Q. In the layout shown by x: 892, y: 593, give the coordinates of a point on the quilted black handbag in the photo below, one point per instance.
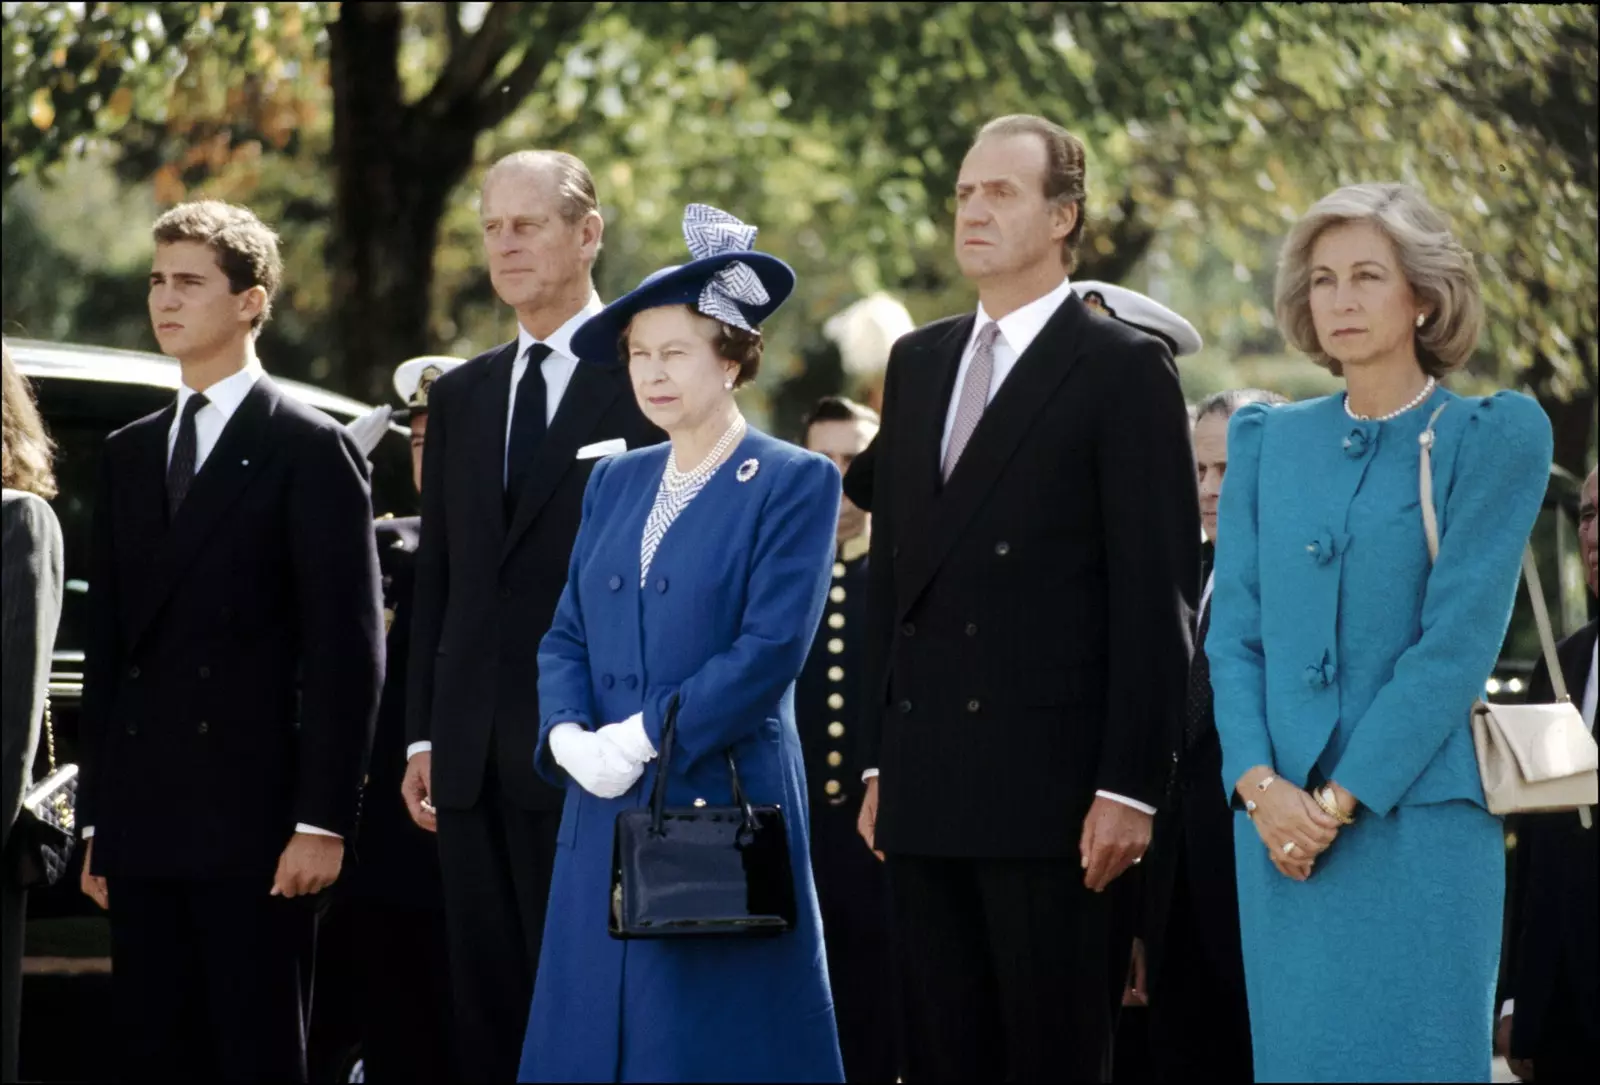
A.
x: 43, y: 838
x: 700, y: 871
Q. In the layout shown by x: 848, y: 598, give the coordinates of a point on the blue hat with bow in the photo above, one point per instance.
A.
x: 727, y: 280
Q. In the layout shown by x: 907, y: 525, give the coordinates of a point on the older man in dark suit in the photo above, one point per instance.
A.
x: 1032, y: 579
x: 512, y: 436
x: 234, y: 660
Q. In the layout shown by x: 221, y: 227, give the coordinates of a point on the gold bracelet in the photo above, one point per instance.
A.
x: 1324, y: 798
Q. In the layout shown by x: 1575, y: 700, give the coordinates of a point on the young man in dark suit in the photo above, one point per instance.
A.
x: 1032, y: 579
x: 512, y: 436
x: 1552, y: 976
x: 234, y: 661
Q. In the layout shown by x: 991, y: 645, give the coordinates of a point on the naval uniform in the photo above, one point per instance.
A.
x: 850, y: 880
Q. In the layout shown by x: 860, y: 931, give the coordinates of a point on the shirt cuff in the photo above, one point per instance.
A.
x: 1507, y: 1007
x: 88, y: 832
x: 633, y: 741
x: 1125, y: 801
x: 418, y: 747
x: 869, y: 774
x: 302, y: 827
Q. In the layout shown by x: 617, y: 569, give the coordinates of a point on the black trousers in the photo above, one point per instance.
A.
x: 210, y: 980
x: 13, y: 927
x: 1004, y: 969
x: 495, y: 860
x: 405, y: 992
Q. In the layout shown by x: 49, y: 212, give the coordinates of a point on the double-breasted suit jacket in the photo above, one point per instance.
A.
x: 722, y: 622
x: 1028, y: 622
x: 487, y: 588
x: 235, y: 655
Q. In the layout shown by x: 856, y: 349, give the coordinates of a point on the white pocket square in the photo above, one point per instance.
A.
x: 602, y: 448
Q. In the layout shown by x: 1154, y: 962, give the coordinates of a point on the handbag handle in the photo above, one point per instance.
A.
x: 658, y: 793
x: 1530, y: 567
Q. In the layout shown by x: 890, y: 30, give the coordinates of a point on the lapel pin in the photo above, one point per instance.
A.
x: 747, y: 470
x: 244, y: 463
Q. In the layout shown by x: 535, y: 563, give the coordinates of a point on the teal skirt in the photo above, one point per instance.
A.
x: 1382, y: 965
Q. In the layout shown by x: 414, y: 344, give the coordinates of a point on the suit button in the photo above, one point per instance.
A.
x: 505, y: 593
x: 973, y: 705
x: 661, y: 586
x: 1002, y: 548
x: 608, y: 681
x: 894, y: 551
x: 133, y: 672
x: 972, y: 629
x: 204, y: 727
x: 909, y: 629
x: 205, y: 672
x: 615, y: 583
x: 132, y: 728
x: 631, y: 681
x: 905, y: 708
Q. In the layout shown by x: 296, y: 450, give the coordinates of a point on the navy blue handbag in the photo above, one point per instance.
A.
x: 700, y: 871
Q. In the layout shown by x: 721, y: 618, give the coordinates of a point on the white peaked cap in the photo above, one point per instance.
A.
x: 1145, y: 313
x: 408, y: 376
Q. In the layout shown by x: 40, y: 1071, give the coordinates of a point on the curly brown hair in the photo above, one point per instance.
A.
x: 26, y: 450
x: 246, y: 247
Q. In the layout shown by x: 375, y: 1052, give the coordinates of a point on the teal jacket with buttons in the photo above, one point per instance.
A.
x: 1336, y: 651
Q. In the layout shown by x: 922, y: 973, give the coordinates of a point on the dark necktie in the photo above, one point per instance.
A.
x: 1197, y: 704
x: 527, y: 424
x: 180, y: 471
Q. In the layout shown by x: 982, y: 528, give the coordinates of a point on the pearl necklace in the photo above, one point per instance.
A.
x: 675, y: 479
x: 1427, y: 390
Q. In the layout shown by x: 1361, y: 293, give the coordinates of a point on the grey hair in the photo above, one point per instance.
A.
x: 1439, y: 269
x: 1225, y: 403
x: 574, y: 183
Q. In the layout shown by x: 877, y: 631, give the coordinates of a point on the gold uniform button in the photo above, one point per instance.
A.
x: 836, y: 674
x: 836, y: 620
x: 836, y: 646
x: 831, y: 787
x: 835, y: 758
x: 837, y: 594
x: 835, y: 700
x: 838, y: 569
x: 835, y: 729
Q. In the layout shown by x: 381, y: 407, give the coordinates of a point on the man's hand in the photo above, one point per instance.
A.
x: 1522, y: 1069
x: 867, y: 820
x: 308, y: 865
x: 1115, y: 836
x: 93, y: 887
x: 1135, y: 992
x: 416, y: 788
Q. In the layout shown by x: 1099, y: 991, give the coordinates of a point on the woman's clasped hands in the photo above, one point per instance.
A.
x: 1291, y: 824
x: 605, y: 763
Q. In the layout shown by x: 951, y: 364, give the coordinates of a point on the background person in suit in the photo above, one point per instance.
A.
x: 1032, y: 578
x: 827, y: 698
x: 1554, y: 969
x: 30, y: 608
x: 394, y: 904
x: 511, y: 438
x: 1199, y: 1019
x: 232, y: 674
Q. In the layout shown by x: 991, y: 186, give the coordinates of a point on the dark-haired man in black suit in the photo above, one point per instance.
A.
x: 234, y: 660
x: 512, y: 437
x: 1033, y: 574
x: 1553, y: 963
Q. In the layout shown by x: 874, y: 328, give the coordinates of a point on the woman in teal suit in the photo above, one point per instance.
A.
x: 699, y: 573
x: 1370, y: 875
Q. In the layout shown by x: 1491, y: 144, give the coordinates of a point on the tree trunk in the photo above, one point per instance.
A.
x: 393, y: 172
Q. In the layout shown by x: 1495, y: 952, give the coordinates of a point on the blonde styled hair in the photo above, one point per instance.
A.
x: 1440, y: 271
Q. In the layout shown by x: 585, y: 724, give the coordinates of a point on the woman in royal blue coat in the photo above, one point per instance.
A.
x: 699, y: 572
x: 1371, y: 876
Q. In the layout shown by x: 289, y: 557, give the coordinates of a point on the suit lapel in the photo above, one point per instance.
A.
x: 1030, y: 385
x: 589, y: 394
x: 484, y: 414
x: 241, y: 451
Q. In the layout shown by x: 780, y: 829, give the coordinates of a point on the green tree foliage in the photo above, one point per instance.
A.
x: 363, y: 130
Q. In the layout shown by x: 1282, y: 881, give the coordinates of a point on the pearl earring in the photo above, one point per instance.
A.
x: 727, y: 385
x: 1421, y: 319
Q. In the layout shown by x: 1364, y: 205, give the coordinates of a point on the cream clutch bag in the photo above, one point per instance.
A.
x: 1532, y: 758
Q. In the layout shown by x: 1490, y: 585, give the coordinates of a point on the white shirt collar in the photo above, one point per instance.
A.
x: 560, y: 340
x: 1020, y: 327
x: 227, y: 393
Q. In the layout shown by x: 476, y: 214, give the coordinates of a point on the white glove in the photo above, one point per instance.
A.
x: 368, y: 430
x: 629, y: 738
x: 598, y: 766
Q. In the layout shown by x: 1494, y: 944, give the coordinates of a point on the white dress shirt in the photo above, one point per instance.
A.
x: 558, y: 369
x: 222, y: 400
x: 1018, y: 330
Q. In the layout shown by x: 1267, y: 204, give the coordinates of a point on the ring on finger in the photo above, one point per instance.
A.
x: 1289, y: 847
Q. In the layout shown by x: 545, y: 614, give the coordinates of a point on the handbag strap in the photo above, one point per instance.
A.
x: 49, y: 733
x: 658, y: 793
x: 1530, y: 567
